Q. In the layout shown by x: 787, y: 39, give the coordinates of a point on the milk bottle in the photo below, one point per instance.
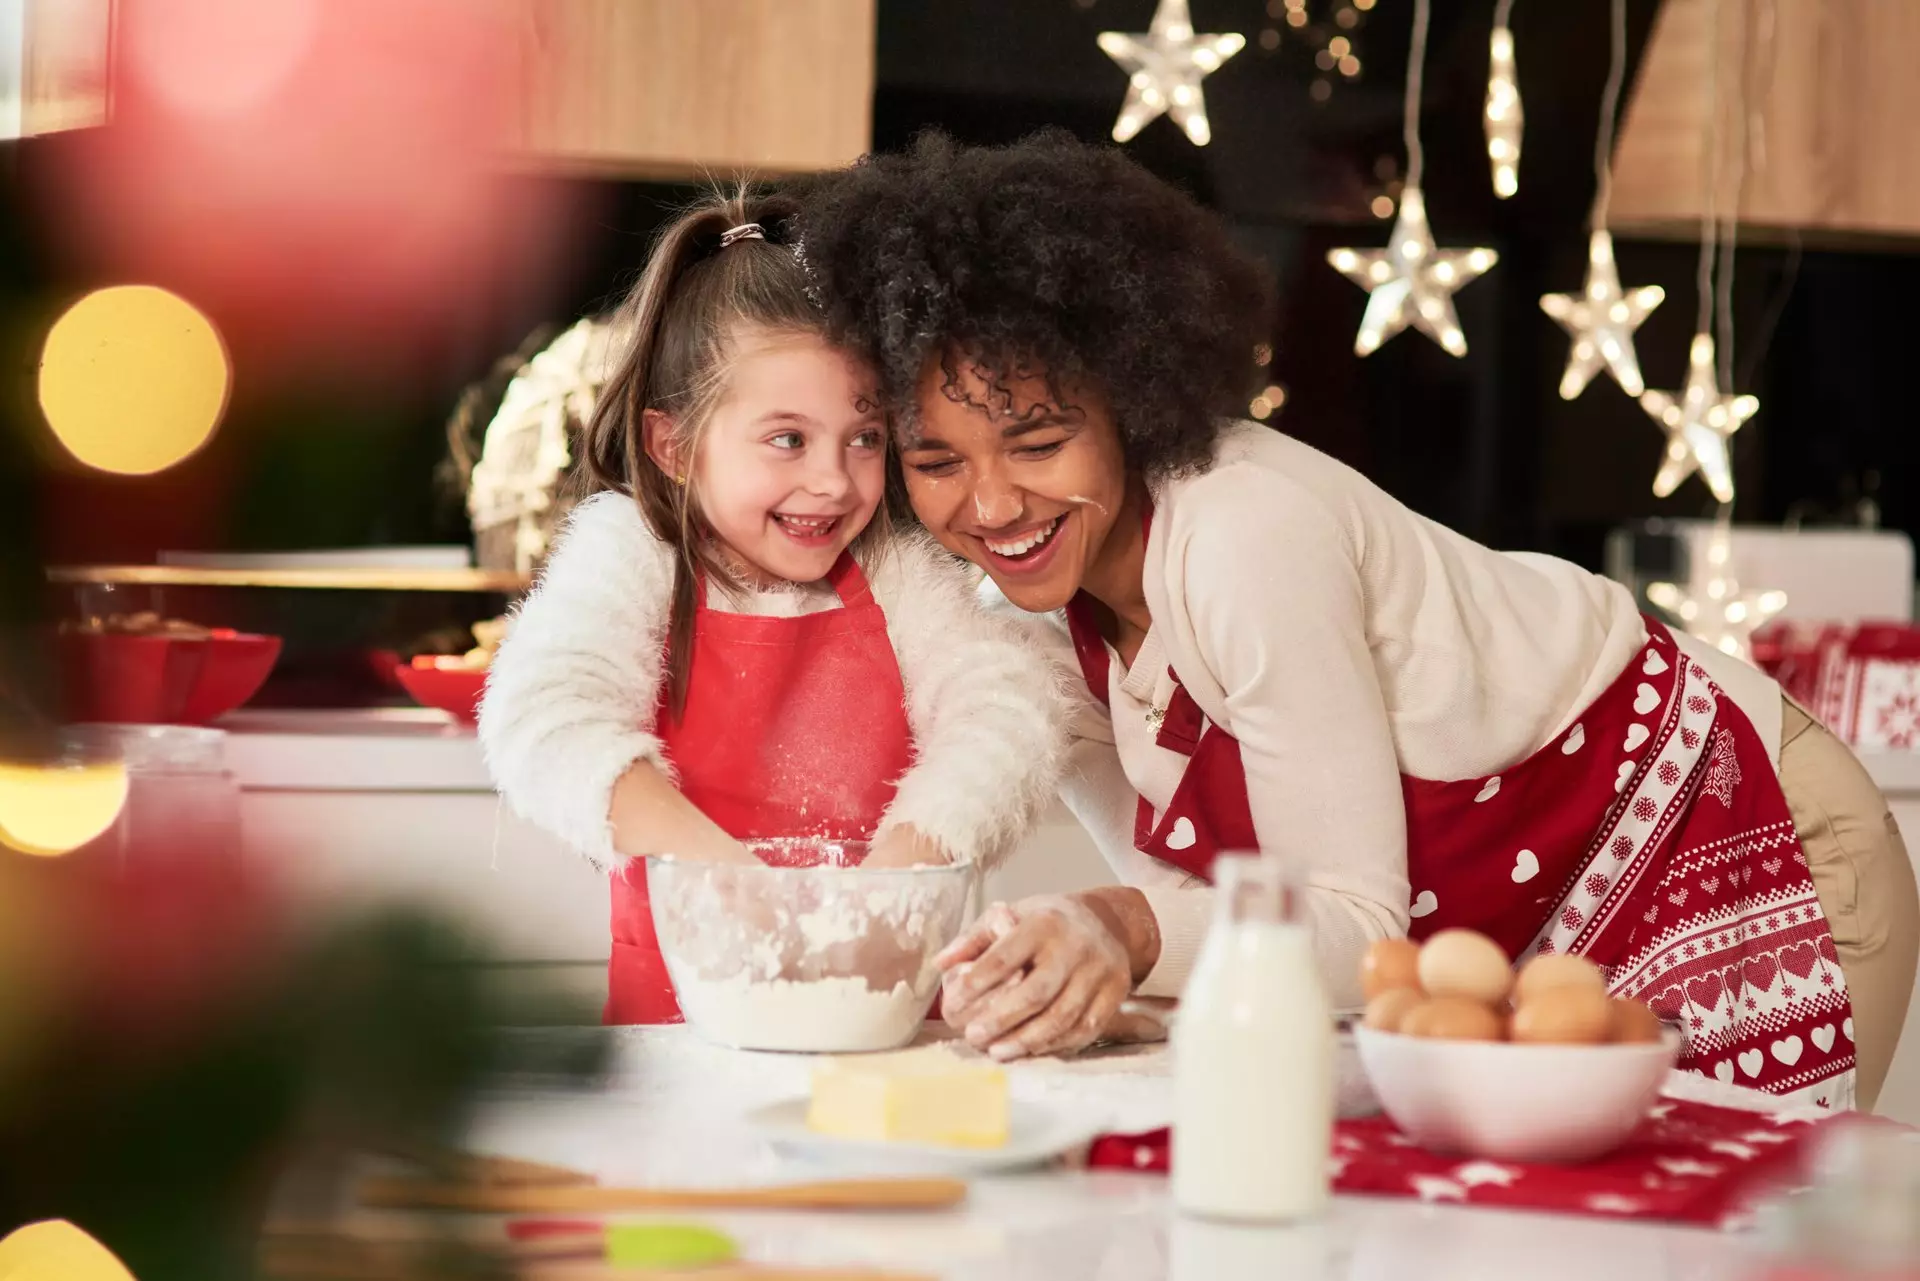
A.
x: 1253, y: 1049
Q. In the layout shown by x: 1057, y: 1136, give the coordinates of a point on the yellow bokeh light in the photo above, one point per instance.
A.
x: 133, y: 379
x: 51, y: 810
x: 55, y: 1250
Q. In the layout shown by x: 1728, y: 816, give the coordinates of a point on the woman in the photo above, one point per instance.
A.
x: 1276, y: 654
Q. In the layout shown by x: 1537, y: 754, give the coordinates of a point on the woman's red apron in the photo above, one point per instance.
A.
x: 792, y: 727
x: 1651, y: 836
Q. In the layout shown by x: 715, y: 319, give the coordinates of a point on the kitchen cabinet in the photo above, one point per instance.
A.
x: 1824, y: 90
x: 691, y: 89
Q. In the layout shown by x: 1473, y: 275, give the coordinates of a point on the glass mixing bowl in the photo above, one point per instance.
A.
x: 804, y: 952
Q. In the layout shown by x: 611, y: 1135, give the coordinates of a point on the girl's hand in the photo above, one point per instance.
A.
x: 1046, y: 975
x: 650, y: 816
x: 906, y: 846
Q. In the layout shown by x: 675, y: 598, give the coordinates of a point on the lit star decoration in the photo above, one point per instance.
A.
x: 1720, y: 614
x: 1601, y: 320
x: 1410, y: 282
x: 1166, y: 64
x: 1699, y: 422
x: 1504, y: 119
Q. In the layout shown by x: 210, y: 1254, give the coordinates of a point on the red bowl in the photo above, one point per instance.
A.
x: 237, y: 664
x: 450, y: 689
x: 129, y: 680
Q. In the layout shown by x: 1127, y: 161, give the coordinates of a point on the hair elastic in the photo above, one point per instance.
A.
x: 745, y: 231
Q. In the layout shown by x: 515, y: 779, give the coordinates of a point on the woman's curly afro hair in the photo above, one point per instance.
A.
x: 1047, y: 257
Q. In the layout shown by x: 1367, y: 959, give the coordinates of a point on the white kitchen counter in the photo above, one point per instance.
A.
x: 359, y: 806
x: 672, y: 1113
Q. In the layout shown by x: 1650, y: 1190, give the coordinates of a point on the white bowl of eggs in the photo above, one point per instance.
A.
x: 1469, y: 1059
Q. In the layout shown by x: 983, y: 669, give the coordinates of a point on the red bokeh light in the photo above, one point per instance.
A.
x: 301, y: 164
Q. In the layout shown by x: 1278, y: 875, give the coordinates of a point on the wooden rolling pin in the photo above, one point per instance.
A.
x: 529, y: 1198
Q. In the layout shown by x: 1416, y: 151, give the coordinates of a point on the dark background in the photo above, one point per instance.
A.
x: 349, y: 455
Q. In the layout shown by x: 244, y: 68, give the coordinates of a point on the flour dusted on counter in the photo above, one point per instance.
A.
x: 835, y: 1015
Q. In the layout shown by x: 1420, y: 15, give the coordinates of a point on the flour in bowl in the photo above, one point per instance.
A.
x: 830, y: 1015
x: 805, y: 958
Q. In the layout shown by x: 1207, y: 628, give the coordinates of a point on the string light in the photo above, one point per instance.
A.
x: 1698, y: 420
x: 1699, y: 423
x: 1720, y: 612
x: 1601, y: 318
x: 1411, y: 282
x: 1504, y: 119
x: 1165, y: 65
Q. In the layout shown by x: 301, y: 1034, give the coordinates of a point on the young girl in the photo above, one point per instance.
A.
x: 734, y: 643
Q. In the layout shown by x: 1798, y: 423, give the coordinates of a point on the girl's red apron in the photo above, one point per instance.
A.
x: 792, y: 727
x: 1651, y: 836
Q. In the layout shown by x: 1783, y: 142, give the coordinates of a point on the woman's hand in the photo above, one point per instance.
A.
x: 906, y: 846
x: 1047, y: 975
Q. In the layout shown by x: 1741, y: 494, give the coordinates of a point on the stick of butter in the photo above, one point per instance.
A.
x: 928, y: 1095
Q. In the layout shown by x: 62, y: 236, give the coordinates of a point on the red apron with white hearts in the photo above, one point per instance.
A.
x: 792, y: 727
x: 1651, y: 836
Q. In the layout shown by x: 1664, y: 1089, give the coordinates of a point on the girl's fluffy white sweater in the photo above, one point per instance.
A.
x: 572, y: 695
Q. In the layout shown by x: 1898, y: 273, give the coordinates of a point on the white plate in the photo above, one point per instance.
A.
x: 1036, y: 1135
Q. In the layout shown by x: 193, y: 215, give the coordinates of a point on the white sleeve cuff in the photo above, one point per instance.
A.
x: 1182, y: 916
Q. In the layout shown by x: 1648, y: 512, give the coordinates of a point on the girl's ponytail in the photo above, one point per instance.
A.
x: 700, y: 287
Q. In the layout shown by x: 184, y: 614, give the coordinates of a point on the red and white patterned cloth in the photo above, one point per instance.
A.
x: 1688, y: 1163
x: 1653, y: 837
x: 1862, y: 681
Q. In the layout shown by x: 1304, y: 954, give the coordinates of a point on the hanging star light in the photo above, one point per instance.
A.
x: 1503, y: 118
x: 1699, y: 422
x: 1720, y: 614
x: 1166, y: 64
x: 1601, y: 320
x: 1410, y: 282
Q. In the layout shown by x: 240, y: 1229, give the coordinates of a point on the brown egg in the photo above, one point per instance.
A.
x: 1387, y: 1011
x: 1556, y: 970
x: 1564, y: 1016
x: 1465, y: 964
x: 1451, y: 1018
x: 1632, y: 1023
x: 1390, y: 963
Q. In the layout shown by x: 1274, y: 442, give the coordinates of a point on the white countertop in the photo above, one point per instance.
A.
x: 399, y: 749
x: 417, y: 749
x: 672, y: 1113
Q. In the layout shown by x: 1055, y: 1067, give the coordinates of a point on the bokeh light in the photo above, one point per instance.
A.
x: 55, y: 1250
x: 307, y: 170
x: 218, y: 57
x: 133, y: 379
x: 53, y: 810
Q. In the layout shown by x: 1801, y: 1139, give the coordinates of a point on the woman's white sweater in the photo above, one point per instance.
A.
x: 1344, y: 640
x: 572, y: 695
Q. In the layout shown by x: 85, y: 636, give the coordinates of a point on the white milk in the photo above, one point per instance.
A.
x: 1253, y: 1049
